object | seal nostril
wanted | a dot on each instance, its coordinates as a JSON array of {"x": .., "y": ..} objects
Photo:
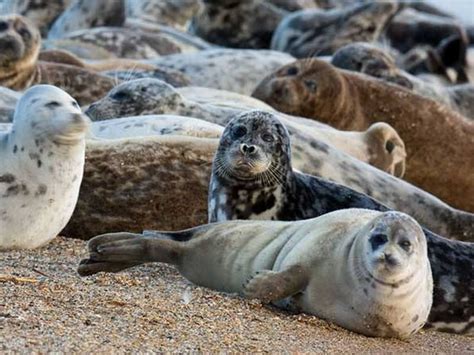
[
  {"x": 251, "y": 149},
  {"x": 389, "y": 146}
]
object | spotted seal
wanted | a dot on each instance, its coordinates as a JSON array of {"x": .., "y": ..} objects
[
  {"x": 379, "y": 145},
  {"x": 238, "y": 70},
  {"x": 366, "y": 271},
  {"x": 237, "y": 24},
  {"x": 19, "y": 66},
  {"x": 42, "y": 166},
  {"x": 372, "y": 60},
  {"x": 308, "y": 32},
  {"x": 351, "y": 101},
  {"x": 252, "y": 178}
]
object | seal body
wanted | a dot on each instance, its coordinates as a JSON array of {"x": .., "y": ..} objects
[
  {"x": 350, "y": 101},
  {"x": 252, "y": 179},
  {"x": 364, "y": 270},
  {"x": 42, "y": 166}
]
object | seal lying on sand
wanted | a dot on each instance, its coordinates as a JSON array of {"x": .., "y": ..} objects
[
  {"x": 252, "y": 178},
  {"x": 366, "y": 271},
  {"x": 350, "y": 101},
  {"x": 42, "y": 160}
]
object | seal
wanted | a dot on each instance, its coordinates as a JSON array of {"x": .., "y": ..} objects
[
  {"x": 82, "y": 14},
  {"x": 308, "y": 32},
  {"x": 170, "y": 12},
  {"x": 42, "y": 166},
  {"x": 363, "y": 270},
  {"x": 19, "y": 67},
  {"x": 369, "y": 59},
  {"x": 238, "y": 70},
  {"x": 252, "y": 178},
  {"x": 379, "y": 145},
  {"x": 350, "y": 101},
  {"x": 237, "y": 24}
]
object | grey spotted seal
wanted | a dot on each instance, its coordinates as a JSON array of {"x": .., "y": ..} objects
[
  {"x": 237, "y": 24},
  {"x": 83, "y": 14},
  {"x": 308, "y": 32},
  {"x": 238, "y": 70},
  {"x": 379, "y": 145},
  {"x": 369, "y": 59},
  {"x": 19, "y": 66},
  {"x": 42, "y": 166},
  {"x": 363, "y": 270},
  {"x": 351, "y": 101},
  {"x": 174, "y": 13},
  {"x": 252, "y": 178}
]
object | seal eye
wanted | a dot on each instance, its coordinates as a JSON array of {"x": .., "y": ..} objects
[
  {"x": 377, "y": 240},
  {"x": 292, "y": 71},
  {"x": 22, "y": 31},
  {"x": 405, "y": 244},
  {"x": 267, "y": 137},
  {"x": 3, "y": 26},
  {"x": 120, "y": 95},
  {"x": 311, "y": 85},
  {"x": 52, "y": 104},
  {"x": 239, "y": 132}
]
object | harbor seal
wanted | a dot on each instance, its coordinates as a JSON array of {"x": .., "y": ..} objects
[
  {"x": 369, "y": 59},
  {"x": 316, "y": 32},
  {"x": 237, "y": 24},
  {"x": 252, "y": 178},
  {"x": 238, "y": 70},
  {"x": 379, "y": 145},
  {"x": 363, "y": 270},
  {"x": 42, "y": 166},
  {"x": 350, "y": 101},
  {"x": 19, "y": 66}
]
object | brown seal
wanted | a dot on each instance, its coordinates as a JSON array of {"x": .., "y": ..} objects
[
  {"x": 350, "y": 101},
  {"x": 20, "y": 43}
]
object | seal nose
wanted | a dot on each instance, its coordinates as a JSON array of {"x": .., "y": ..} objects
[
  {"x": 389, "y": 259},
  {"x": 248, "y": 149}
]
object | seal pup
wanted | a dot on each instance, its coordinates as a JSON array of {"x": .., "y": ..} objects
[
  {"x": 379, "y": 145},
  {"x": 19, "y": 66},
  {"x": 42, "y": 165},
  {"x": 82, "y": 14},
  {"x": 308, "y": 32},
  {"x": 174, "y": 13},
  {"x": 238, "y": 70},
  {"x": 237, "y": 24},
  {"x": 252, "y": 178},
  {"x": 369, "y": 59},
  {"x": 363, "y": 270},
  {"x": 350, "y": 101}
]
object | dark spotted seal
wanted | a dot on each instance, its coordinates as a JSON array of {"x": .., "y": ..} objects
[
  {"x": 42, "y": 164},
  {"x": 350, "y": 101},
  {"x": 364, "y": 270},
  {"x": 252, "y": 178}
]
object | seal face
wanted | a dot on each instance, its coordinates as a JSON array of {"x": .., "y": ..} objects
[
  {"x": 291, "y": 196},
  {"x": 42, "y": 166},
  {"x": 364, "y": 270}
]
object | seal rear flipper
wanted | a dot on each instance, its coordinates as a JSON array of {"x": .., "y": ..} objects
[{"x": 268, "y": 285}]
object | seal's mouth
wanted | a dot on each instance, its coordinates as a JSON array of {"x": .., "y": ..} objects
[
  {"x": 10, "y": 49},
  {"x": 72, "y": 131}
]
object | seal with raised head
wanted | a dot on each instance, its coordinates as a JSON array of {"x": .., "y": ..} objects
[
  {"x": 20, "y": 43},
  {"x": 42, "y": 165},
  {"x": 351, "y": 101},
  {"x": 252, "y": 178},
  {"x": 366, "y": 271}
]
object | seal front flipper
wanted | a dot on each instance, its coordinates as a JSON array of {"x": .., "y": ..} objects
[
  {"x": 268, "y": 285},
  {"x": 89, "y": 267}
]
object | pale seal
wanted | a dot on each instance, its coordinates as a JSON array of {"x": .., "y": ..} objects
[
  {"x": 351, "y": 101},
  {"x": 253, "y": 179},
  {"x": 238, "y": 70},
  {"x": 237, "y": 24},
  {"x": 363, "y": 270},
  {"x": 374, "y": 61},
  {"x": 315, "y": 32},
  {"x": 19, "y": 66},
  {"x": 379, "y": 145},
  {"x": 42, "y": 166}
]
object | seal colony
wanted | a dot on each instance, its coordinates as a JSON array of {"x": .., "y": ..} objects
[
  {"x": 42, "y": 165},
  {"x": 372, "y": 276}
]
